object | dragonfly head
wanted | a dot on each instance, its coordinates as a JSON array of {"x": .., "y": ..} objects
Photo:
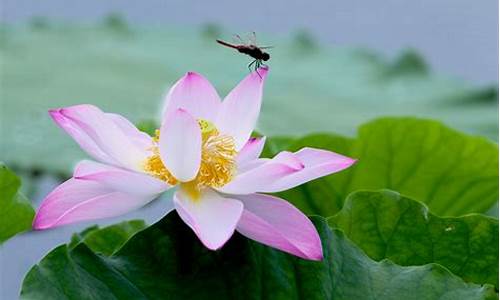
[{"x": 265, "y": 56}]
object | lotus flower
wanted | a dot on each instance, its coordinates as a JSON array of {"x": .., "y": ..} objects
[{"x": 204, "y": 148}]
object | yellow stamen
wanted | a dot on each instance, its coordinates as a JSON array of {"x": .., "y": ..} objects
[
  {"x": 192, "y": 189},
  {"x": 155, "y": 166},
  {"x": 207, "y": 128},
  {"x": 217, "y": 161}
]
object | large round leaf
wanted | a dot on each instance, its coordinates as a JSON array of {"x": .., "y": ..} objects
[
  {"x": 16, "y": 212},
  {"x": 453, "y": 173},
  {"x": 167, "y": 261},
  {"x": 107, "y": 240},
  {"x": 387, "y": 225}
]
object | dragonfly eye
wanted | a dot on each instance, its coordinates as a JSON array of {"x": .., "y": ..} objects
[{"x": 265, "y": 57}]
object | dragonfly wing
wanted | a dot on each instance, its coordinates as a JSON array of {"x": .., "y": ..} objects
[
  {"x": 236, "y": 38},
  {"x": 252, "y": 38}
]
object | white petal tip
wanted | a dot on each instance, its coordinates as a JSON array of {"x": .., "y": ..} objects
[{"x": 213, "y": 247}]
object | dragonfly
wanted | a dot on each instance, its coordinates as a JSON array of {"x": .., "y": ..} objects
[{"x": 251, "y": 49}]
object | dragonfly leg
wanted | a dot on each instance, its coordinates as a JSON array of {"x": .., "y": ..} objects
[
  {"x": 257, "y": 66},
  {"x": 250, "y": 65}
]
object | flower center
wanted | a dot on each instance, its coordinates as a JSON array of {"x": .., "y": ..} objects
[
  {"x": 217, "y": 166},
  {"x": 155, "y": 166}
]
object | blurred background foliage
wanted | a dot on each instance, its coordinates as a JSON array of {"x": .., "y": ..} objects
[{"x": 312, "y": 87}]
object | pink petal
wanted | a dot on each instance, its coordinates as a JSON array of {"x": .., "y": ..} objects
[
  {"x": 290, "y": 159},
  {"x": 251, "y": 150},
  {"x": 241, "y": 108},
  {"x": 180, "y": 145},
  {"x": 120, "y": 179},
  {"x": 276, "y": 223},
  {"x": 85, "y": 142},
  {"x": 250, "y": 165},
  {"x": 260, "y": 174},
  {"x": 285, "y": 171},
  {"x": 106, "y": 136},
  {"x": 258, "y": 178},
  {"x": 212, "y": 217},
  {"x": 139, "y": 138},
  {"x": 317, "y": 163},
  {"x": 195, "y": 94},
  {"x": 80, "y": 200}
]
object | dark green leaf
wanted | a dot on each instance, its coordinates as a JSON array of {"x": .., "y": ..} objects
[
  {"x": 387, "y": 225},
  {"x": 453, "y": 173},
  {"x": 16, "y": 213},
  {"x": 108, "y": 239},
  {"x": 166, "y": 261}
]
